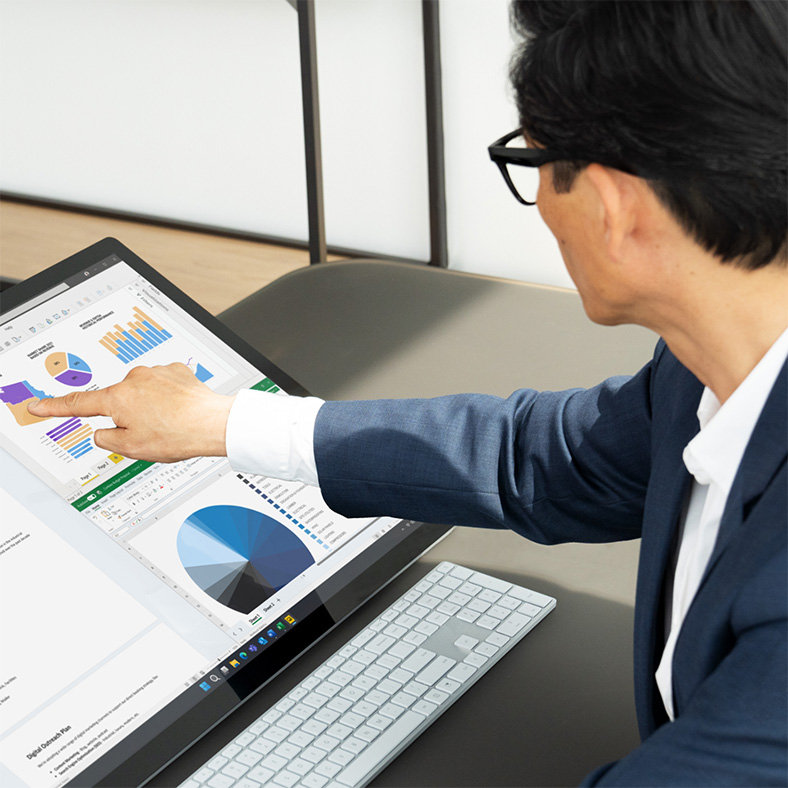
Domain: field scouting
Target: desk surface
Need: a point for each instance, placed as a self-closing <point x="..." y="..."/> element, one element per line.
<point x="561" y="702"/>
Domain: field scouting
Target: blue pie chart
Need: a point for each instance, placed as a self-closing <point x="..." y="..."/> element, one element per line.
<point x="240" y="557"/>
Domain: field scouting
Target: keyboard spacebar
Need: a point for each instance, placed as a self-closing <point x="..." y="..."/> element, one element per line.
<point x="376" y="753"/>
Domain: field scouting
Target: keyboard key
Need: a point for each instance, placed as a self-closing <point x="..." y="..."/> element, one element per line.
<point x="287" y="778"/>
<point x="499" y="586"/>
<point x="299" y="766"/>
<point x="276" y="734"/>
<point x="437" y="618"/>
<point x="340" y="756"/>
<point x="468" y="615"/>
<point x="286" y="750"/>
<point x="231" y="750"/>
<point x="339" y="704"/>
<point x="362" y="638"/>
<point x="403" y="699"/>
<point x="435" y="670"/>
<point x="313" y="754"/>
<point x="416" y="638"/>
<point x="488" y="622"/>
<point x="314" y="780"/>
<point x="389" y="687"/>
<point x="458" y="598"/>
<point x="486" y="649"/>
<point x="401" y="650"/>
<point x="498" y="611"/>
<point x="379" y="644"/>
<point x="248" y="757"/>
<point x="244" y="782"/>
<point x="461" y="571"/>
<point x="365" y="708"/>
<point x="353" y="745"/>
<point x="262" y="745"/>
<point x="395" y="631"/>
<point x="328" y="688"/>
<point x="375" y="672"/>
<point x="477" y="660"/>
<point x="461" y="672"/>
<point x="466" y="642"/>
<point x="509" y="602"/>
<point x="425" y="628"/>
<point x="527" y="609"/>
<point x="449" y="608"/>
<point x="221" y="781"/>
<point x="418" y="660"/>
<point x="339" y="731"/>
<point x="352" y="666"/>
<point x="379" y="750"/>
<point x="471" y="589"/>
<point x="203" y="775"/>
<point x="391" y="710"/>
<point x="434" y="696"/>
<point x="513" y="624"/>
<point x="497" y="639"/>
<point x="327" y="715"/>
<point x="486" y="595"/>
<point x="245" y="739"/>
<point x="289" y="722"/>
<point x="400" y="676"/>
<point x="217" y="762"/>
<point x="261" y="773"/>
<point x="326" y="742"/>
<point x="367" y="733"/>
<point x="387" y="661"/>
<point x="450" y="582"/>
<point x="352" y="719"/>
<point x="313" y="727"/>
<point x="275" y="762"/>
<point x="415" y="688"/>
<point x="301" y="739"/>
<point x="424" y="707"/>
<point x="327" y="769"/>
<point x="448" y="686"/>
<point x="440" y="592"/>
<point x="379" y="722"/>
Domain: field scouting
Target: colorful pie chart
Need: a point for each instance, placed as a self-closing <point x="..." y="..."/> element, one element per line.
<point x="240" y="557"/>
<point x="68" y="369"/>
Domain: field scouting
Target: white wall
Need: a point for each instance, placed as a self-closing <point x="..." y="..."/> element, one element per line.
<point x="191" y="109"/>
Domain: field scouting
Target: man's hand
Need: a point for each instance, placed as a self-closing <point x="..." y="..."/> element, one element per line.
<point x="162" y="414"/>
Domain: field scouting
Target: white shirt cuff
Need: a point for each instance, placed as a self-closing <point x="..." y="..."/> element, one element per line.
<point x="272" y="435"/>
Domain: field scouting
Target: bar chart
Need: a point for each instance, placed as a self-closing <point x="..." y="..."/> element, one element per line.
<point x="73" y="436"/>
<point x="140" y="335"/>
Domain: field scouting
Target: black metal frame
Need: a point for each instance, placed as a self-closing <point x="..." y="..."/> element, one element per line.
<point x="436" y="170"/>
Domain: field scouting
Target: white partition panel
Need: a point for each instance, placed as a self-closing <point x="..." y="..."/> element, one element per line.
<point x="191" y="110"/>
<point x="371" y="79"/>
<point x="489" y="231"/>
<point x="186" y="109"/>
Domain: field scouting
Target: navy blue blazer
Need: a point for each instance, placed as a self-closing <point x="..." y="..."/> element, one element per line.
<point x="601" y="465"/>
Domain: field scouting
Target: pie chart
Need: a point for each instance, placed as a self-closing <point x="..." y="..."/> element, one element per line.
<point x="68" y="369"/>
<point x="240" y="557"/>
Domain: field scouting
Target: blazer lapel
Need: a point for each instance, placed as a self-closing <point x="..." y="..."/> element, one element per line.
<point x="765" y="452"/>
<point x="668" y="488"/>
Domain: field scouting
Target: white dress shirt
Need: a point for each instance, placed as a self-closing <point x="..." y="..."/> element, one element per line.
<point x="272" y="434"/>
<point x="712" y="457"/>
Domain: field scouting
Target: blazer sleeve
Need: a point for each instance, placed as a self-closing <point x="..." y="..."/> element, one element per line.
<point x="553" y="466"/>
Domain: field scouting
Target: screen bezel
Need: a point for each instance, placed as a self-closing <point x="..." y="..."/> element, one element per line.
<point x="128" y="763"/>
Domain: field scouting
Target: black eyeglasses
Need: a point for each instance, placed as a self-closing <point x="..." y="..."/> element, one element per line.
<point x="520" y="164"/>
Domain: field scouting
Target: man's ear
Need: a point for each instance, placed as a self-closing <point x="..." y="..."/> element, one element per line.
<point x="616" y="201"/>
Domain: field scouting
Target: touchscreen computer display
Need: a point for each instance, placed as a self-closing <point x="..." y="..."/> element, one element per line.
<point x="134" y="593"/>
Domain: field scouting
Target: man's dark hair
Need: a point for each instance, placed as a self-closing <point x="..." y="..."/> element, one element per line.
<point x="691" y="95"/>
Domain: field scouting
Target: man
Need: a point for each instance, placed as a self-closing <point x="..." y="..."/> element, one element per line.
<point x="659" y="133"/>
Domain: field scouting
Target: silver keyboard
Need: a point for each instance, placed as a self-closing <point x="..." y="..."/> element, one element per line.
<point x="354" y="714"/>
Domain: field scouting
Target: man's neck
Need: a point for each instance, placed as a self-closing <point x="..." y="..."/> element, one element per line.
<point x="722" y="328"/>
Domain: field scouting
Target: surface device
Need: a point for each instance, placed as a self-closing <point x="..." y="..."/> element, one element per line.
<point x="143" y="602"/>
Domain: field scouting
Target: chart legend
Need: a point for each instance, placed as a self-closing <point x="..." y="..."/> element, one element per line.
<point x="141" y="334"/>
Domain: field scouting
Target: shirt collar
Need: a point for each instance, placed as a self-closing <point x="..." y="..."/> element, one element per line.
<point x="715" y="453"/>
